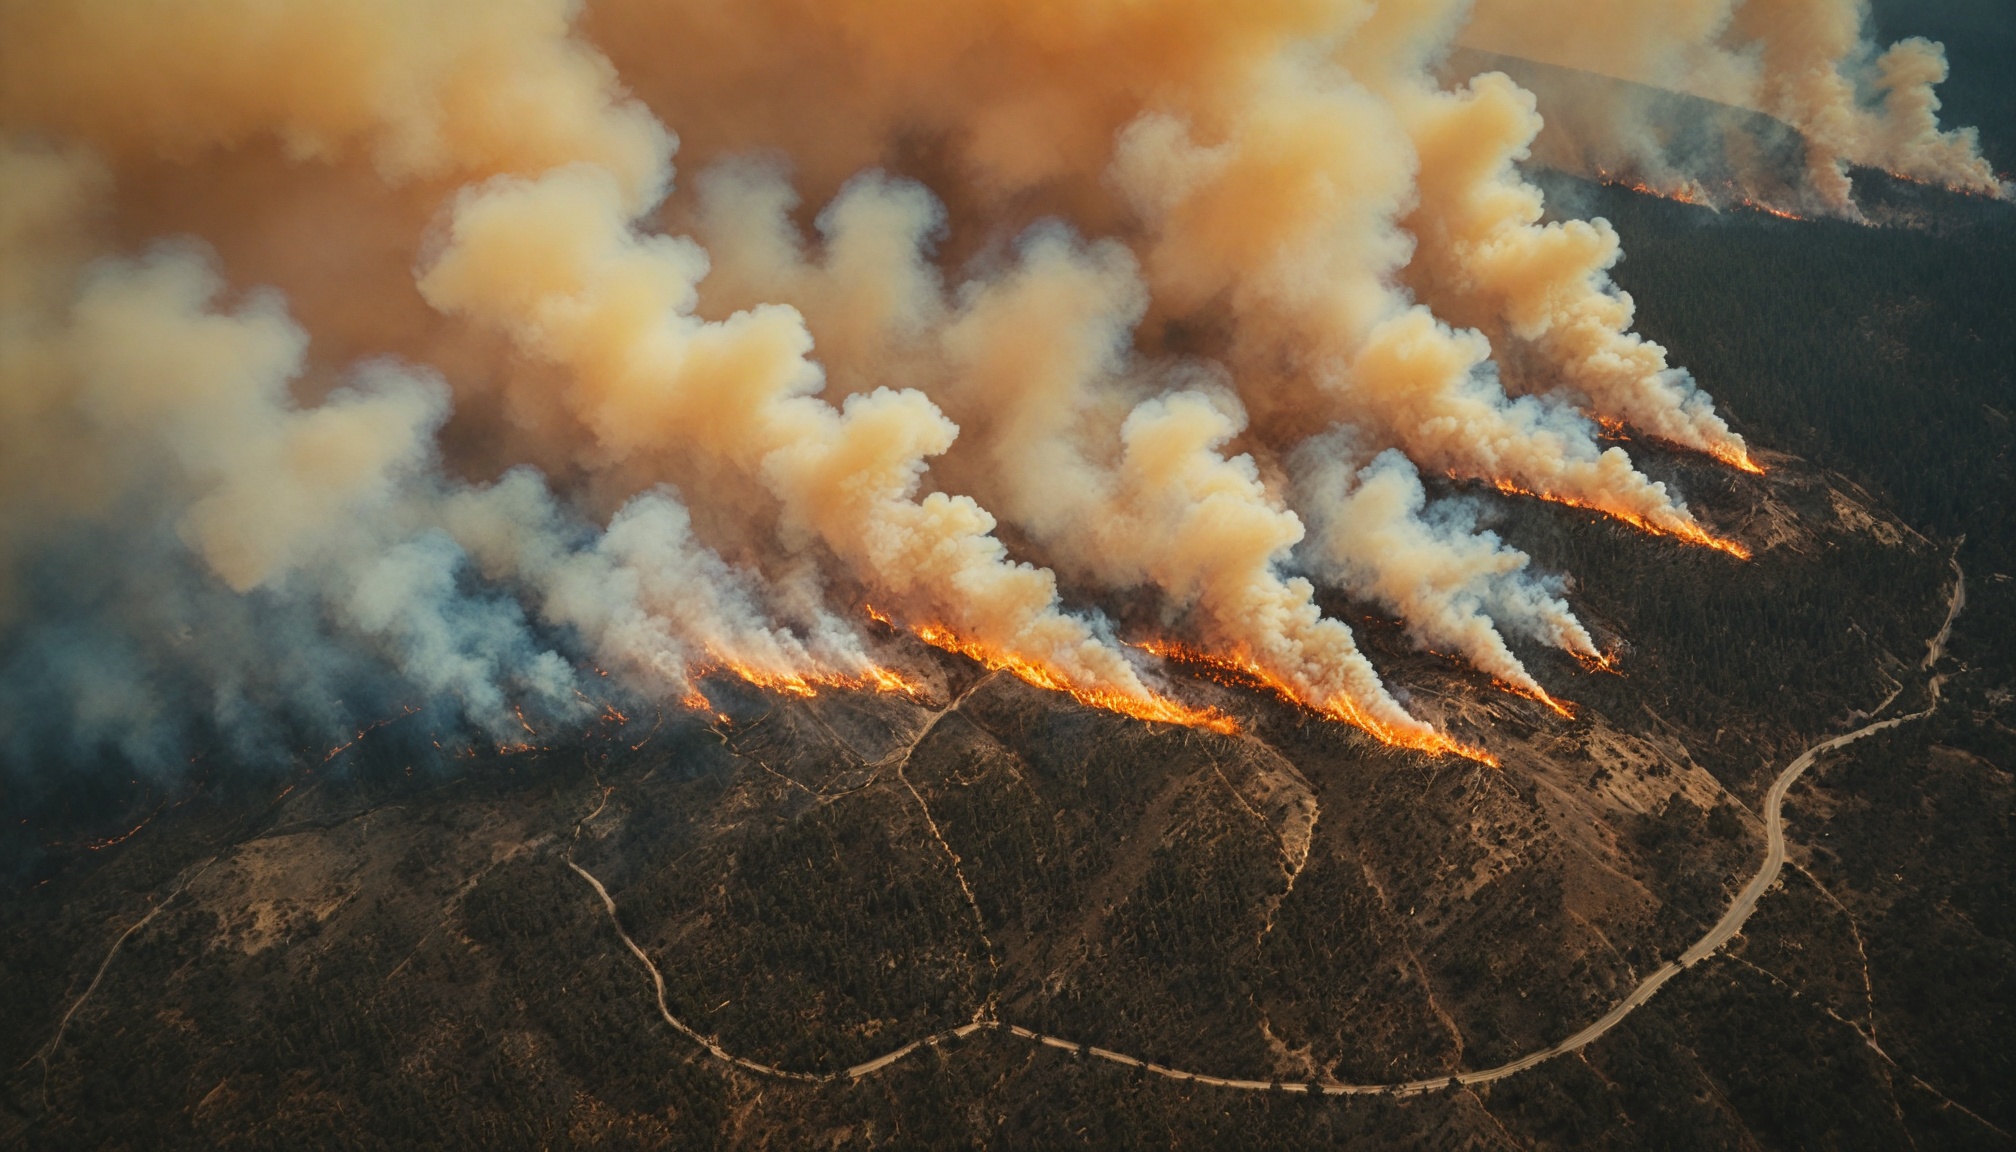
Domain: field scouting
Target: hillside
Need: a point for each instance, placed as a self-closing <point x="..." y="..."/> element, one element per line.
<point x="980" y="914"/>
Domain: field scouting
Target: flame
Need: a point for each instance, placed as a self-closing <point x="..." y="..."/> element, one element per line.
<point x="1686" y="192"/>
<point x="2001" y="192"/>
<point x="1241" y="672"/>
<point x="1768" y="210"/>
<point x="1687" y="533"/>
<point x="1607" y="662"/>
<point x="1560" y="708"/>
<point x="1153" y="709"/>
<point x="1696" y="194"/>
<point x="605" y="711"/>
<point x="659" y="723"/>
<point x="875" y="678"/>
<point x="884" y="680"/>
<point x="1736" y="458"/>
<point x="404" y="711"/>
<point x="804" y="685"/>
<point x="101" y="845"/>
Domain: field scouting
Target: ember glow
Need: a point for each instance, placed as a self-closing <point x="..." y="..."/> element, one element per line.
<point x="1686" y="533"/>
<point x="1604" y="662"/>
<point x="1739" y="460"/>
<point x="1559" y="708"/>
<point x="1686" y="192"/>
<point x="1692" y="193"/>
<point x="805" y="686"/>
<point x="1152" y="708"/>
<point x="1243" y="673"/>
<point x="439" y="387"/>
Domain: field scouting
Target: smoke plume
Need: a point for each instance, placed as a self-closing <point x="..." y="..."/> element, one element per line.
<point x="1809" y="65"/>
<point x="365" y="357"/>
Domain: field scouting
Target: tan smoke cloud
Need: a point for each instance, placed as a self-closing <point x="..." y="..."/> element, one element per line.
<point x="443" y="89"/>
<point x="166" y="412"/>
<point x="136" y="389"/>
<point x="556" y="263"/>
<point x="1808" y="63"/>
<point x="452" y="383"/>
<point x="1171" y="510"/>
<point x="1541" y="292"/>
<point x="1120" y="491"/>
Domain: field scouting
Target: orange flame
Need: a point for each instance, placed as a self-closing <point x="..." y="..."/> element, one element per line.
<point x="1736" y="458"/>
<point x="1687" y="533"/>
<point x="804" y="685"/>
<point x="1153" y="709"/>
<point x="1243" y="672"/>
<point x="1768" y="210"/>
<point x="1687" y="192"/>
<point x="1693" y="193"/>
<point x="404" y="711"/>
<point x="101" y="845"/>
<point x="1560" y="708"/>
<point x="1607" y="662"/>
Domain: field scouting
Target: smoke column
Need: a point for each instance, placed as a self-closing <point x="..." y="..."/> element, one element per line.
<point x="364" y="357"/>
<point x="1808" y="64"/>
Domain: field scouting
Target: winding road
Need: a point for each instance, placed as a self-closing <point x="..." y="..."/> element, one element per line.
<point x="48" y="1051"/>
<point x="1724" y="930"/>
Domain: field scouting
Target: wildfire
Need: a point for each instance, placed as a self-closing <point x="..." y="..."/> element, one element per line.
<point x="101" y="845"/>
<point x="1606" y="662"/>
<point x="1768" y="210"/>
<point x="1245" y="673"/>
<point x="1687" y="533"/>
<point x="883" y="680"/>
<point x="1737" y="458"/>
<point x="1560" y="708"/>
<point x="1687" y="192"/>
<point x="804" y="685"/>
<point x="404" y="712"/>
<point x="1154" y="709"/>
<point x="1690" y="192"/>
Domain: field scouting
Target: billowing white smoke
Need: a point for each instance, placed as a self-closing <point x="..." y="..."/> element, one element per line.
<point x="1378" y="536"/>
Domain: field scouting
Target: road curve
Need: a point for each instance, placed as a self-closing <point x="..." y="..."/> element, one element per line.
<point x="1724" y="930"/>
